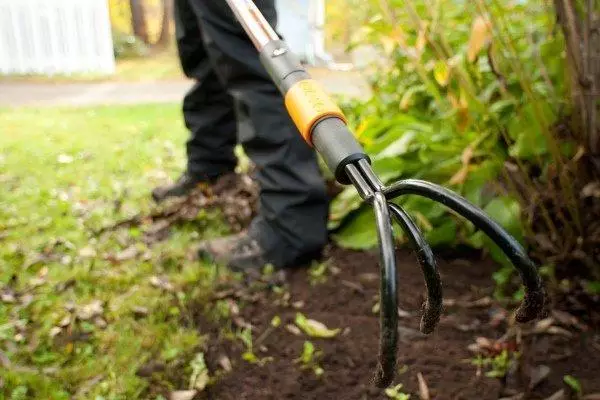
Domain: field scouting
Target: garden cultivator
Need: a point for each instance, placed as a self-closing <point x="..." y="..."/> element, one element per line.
<point x="322" y="125"/>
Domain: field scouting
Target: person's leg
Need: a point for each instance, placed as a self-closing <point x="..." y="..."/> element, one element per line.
<point x="292" y="221"/>
<point x="208" y="111"/>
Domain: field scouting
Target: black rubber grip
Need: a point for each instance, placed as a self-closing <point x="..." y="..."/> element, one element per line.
<point x="338" y="147"/>
<point x="282" y="65"/>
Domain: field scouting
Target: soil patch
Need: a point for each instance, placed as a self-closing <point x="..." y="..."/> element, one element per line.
<point x="346" y="299"/>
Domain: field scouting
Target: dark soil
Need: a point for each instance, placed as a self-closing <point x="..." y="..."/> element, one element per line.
<point x="345" y="300"/>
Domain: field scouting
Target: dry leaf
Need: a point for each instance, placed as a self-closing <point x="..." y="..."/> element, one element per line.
<point x="225" y="363"/>
<point x="87" y="252"/>
<point x="480" y="35"/>
<point x="183" y="395"/>
<point x="298" y="304"/>
<point x="161" y="283"/>
<point x="591" y="190"/>
<point x="127" y="254"/>
<point x="54" y="331"/>
<point x="557" y="330"/>
<point x="538" y="375"/>
<point x="293" y="329"/>
<point x="560" y="395"/>
<point x="423" y="389"/>
<point x="544" y="324"/>
<point x="91" y="310"/>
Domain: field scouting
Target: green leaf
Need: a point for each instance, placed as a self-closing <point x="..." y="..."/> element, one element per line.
<point x="314" y="328"/>
<point x="359" y="233"/>
<point x="276" y="321"/>
<point x="592" y="287"/>
<point x="528" y="130"/>
<point x="444" y="234"/>
<point x="573" y="383"/>
<point x="441" y="73"/>
<point x="507" y="212"/>
<point x="399" y="146"/>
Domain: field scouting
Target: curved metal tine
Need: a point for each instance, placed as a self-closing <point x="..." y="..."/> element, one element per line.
<point x="534" y="295"/>
<point x="432" y="309"/>
<point x="388" y="315"/>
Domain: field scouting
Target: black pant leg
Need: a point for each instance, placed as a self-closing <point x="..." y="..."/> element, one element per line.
<point x="208" y="109"/>
<point x="293" y="204"/>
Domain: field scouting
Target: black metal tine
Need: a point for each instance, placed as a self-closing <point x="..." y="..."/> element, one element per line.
<point x="388" y="315"/>
<point x="362" y="187"/>
<point x="533" y="302"/>
<point x="432" y="309"/>
<point x="369" y="175"/>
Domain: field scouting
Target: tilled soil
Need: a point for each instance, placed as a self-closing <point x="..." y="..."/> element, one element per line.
<point x="346" y="299"/>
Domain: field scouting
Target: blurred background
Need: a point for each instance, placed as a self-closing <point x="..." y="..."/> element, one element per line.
<point x="497" y="100"/>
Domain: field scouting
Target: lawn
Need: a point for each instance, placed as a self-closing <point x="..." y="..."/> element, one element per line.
<point x="81" y="312"/>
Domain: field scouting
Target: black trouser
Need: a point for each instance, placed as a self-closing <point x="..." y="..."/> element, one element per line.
<point x="234" y="99"/>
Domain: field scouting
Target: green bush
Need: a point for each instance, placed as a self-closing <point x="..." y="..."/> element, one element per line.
<point x="468" y="97"/>
<point x="127" y="46"/>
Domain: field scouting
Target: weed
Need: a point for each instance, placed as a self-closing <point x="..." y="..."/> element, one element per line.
<point x="497" y="365"/>
<point x="395" y="393"/>
<point x="310" y="358"/>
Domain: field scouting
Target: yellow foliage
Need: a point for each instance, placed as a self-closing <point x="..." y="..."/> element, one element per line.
<point x="120" y="16"/>
<point x="480" y="35"/>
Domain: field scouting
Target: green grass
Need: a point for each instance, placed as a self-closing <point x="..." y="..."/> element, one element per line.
<point x="62" y="172"/>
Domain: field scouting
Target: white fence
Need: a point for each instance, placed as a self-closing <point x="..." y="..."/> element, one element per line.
<point x="55" y="37"/>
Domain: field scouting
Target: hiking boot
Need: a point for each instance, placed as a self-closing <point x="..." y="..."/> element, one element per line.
<point x="182" y="187"/>
<point x="239" y="252"/>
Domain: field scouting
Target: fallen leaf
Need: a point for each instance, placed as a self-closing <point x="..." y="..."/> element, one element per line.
<point x="183" y="395"/>
<point x="423" y="389"/>
<point x="592" y="189"/>
<point x="87" y="252"/>
<point x="368" y="277"/>
<point x="538" y="375"/>
<point x="161" y="283"/>
<point x="54" y="331"/>
<point x="26" y="299"/>
<point x="64" y="159"/>
<point x="8" y="297"/>
<point x="127" y="254"/>
<point x="66" y="321"/>
<point x="560" y="395"/>
<point x="225" y="363"/>
<point x="544" y="324"/>
<point x="233" y="307"/>
<point x="314" y="328"/>
<point x="293" y="329"/>
<point x="100" y="322"/>
<point x="89" y="311"/>
<point x="403" y="313"/>
<point x="557" y="330"/>
<point x="298" y="304"/>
